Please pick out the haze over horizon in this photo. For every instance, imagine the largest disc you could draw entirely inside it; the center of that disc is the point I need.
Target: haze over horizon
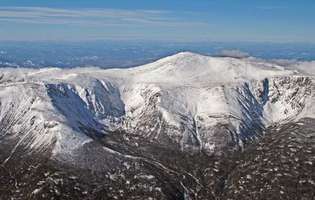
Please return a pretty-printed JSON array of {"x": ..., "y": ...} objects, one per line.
[{"x": 177, "y": 21}]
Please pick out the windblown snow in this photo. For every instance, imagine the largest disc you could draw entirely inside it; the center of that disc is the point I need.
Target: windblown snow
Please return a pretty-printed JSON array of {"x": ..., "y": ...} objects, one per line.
[{"x": 197, "y": 102}]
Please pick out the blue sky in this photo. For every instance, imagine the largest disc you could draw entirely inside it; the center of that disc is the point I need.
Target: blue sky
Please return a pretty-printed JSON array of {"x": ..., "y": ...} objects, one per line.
[{"x": 159, "y": 20}]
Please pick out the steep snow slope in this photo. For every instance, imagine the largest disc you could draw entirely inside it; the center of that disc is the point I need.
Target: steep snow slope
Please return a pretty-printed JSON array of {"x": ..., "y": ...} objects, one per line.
[{"x": 188, "y": 101}]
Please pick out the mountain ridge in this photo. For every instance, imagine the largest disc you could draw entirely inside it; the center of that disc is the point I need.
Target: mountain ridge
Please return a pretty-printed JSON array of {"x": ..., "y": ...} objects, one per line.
[{"x": 197, "y": 102}]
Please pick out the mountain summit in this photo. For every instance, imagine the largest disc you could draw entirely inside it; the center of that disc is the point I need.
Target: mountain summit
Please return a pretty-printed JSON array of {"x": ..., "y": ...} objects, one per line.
[
  {"x": 170, "y": 129},
  {"x": 186, "y": 101}
]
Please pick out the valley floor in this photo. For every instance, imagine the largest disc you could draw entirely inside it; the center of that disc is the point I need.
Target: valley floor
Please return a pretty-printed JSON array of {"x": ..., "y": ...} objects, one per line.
[{"x": 278, "y": 166}]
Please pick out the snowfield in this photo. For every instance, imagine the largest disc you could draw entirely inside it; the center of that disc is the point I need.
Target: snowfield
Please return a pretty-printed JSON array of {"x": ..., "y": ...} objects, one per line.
[{"x": 196, "y": 102}]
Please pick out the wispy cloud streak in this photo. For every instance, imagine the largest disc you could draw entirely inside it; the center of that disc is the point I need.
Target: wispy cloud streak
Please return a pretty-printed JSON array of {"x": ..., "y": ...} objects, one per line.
[{"x": 43, "y": 15}]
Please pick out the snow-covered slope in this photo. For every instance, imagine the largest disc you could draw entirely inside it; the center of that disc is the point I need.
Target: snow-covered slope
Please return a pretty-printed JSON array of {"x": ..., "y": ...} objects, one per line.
[{"x": 190, "y": 101}]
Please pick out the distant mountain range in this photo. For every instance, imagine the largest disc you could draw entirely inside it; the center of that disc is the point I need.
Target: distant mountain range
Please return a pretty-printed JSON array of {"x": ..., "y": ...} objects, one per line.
[{"x": 126, "y": 54}]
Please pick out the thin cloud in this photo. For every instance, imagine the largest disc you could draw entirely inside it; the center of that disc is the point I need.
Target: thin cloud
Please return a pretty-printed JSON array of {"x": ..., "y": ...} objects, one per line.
[
  {"x": 42, "y": 15},
  {"x": 92, "y": 24},
  {"x": 234, "y": 53}
]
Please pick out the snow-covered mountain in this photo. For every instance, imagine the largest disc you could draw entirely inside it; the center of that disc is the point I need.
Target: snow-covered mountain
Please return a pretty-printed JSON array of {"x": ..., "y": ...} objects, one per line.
[{"x": 186, "y": 101}]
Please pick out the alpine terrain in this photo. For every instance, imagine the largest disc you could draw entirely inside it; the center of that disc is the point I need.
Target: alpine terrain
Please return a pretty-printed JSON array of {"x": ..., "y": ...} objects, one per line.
[{"x": 187, "y": 126}]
